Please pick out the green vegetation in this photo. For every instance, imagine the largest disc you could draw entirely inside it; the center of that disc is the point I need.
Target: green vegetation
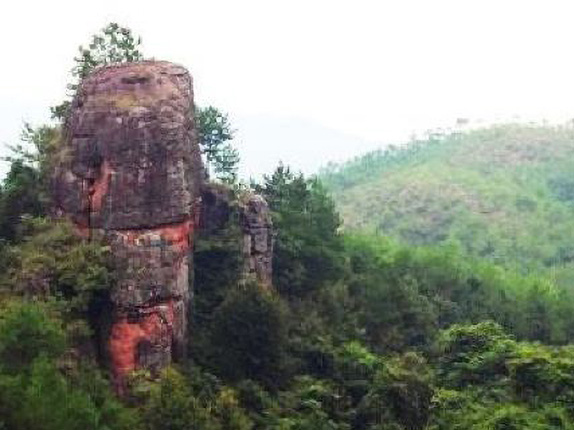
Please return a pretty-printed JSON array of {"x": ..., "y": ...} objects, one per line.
[
  {"x": 387, "y": 337},
  {"x": 117, "y": 44},
  {"x": 361, "y": 331},
  {"x": 248, "y": 335},
  {"x": 113, "y": 44},
  {"x": 35, "y": 393},
  {"x": 215, "y": 134},
  {"x": 503, "y": 193},
  {"x": 307, "y": 248}
]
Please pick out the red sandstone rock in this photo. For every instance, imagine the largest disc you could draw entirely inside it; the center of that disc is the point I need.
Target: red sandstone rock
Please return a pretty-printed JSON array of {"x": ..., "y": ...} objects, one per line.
[{"x": 131, "y": 171}]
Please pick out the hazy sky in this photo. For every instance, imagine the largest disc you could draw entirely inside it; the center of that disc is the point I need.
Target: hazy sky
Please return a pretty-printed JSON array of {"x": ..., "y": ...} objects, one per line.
[{"x": 334, "y": 78}]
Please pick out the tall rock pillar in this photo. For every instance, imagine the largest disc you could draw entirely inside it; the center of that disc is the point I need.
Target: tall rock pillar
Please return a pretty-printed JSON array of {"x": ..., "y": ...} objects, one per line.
[
  {"x": 257, "y": 247},
  {"x": 130, "y": 171}
]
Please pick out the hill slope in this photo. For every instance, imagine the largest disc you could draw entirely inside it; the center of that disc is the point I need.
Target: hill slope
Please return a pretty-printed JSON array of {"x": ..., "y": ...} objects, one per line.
[{"x": 505, "y": 193}]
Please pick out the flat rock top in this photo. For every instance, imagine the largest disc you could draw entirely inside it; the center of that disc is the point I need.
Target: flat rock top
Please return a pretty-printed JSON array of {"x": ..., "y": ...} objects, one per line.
[
  {"x": 135, "y": 85},
  {"x": 131, "y": 133}
]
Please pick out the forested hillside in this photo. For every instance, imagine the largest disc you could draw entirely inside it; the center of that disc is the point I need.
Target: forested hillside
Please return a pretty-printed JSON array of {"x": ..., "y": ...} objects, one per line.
[
  {"x": 355, "y": 331},
  {"x": 358, "y": 333},
  {"x": 505, "y": 193}
]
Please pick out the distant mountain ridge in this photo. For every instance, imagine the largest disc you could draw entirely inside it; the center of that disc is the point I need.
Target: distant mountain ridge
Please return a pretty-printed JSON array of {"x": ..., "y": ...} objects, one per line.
[
  {"x": 264, "y": 140},
  {"x": 504, "y": 192}
]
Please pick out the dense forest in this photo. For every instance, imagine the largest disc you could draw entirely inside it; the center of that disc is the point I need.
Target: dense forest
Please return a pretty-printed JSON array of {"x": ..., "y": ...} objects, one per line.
[
  {"x": 366, "y": 328},
  {"x": 503, "y": 193}
]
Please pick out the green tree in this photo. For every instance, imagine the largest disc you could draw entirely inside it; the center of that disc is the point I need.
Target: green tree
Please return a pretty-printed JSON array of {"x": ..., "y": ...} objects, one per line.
[
  {"x": 474, "y": 354},
  {"x": 34, "y": 393},
  {"x": 113, "y": 44},
  {"x": 21, "y": 197},
  {"x": 248, "y": 336},
  {"x": 215, "y": 135},
  {"x": 36, "y": 148},
  {"x": 47, "y": 402},
  {"x": 27, "y": 332},
  {"x": 308, "y": 246},
  {"x": 228, "y": 412},
  {"x": 172, "y": 406},
  {"x": 54, "y": 262},
  {"x": 542, "y": 375},
  {"x": 401, "y": 392},
  {"x": 309, "y": 404},
  {"x": 25, "y": 191},
  {"x": 394, "y": 313},
  {"x": 118, "y": 44}
]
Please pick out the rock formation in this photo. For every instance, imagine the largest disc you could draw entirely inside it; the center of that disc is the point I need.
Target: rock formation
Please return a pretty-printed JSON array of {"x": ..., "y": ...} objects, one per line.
[
  {"x": 251, "y": 213},
  {"x": 257, "y": 249},
  {"x": 131, "y": 171}
]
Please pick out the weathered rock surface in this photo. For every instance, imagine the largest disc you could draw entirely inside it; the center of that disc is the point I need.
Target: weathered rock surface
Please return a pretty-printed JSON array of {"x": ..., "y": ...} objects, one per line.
[
  {"x": 257, "y": 227},
  {"x": 131, "y": 171},
  {"x": 220, "y": 206}
]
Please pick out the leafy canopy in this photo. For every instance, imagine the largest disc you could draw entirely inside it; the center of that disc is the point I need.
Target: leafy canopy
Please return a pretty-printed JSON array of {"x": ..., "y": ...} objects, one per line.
[{"x": 308, "y": 246}]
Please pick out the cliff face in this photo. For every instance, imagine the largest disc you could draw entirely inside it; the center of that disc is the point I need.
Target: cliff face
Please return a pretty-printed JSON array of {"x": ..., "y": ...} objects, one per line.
[
  {"x": 250, "y": 212},
  {"x": 257, "y": 249},
  {"x": 131, "y": 172}
]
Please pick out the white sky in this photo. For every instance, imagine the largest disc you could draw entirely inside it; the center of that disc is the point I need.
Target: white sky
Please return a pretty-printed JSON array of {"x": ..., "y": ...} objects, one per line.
[{"x": 369, "y": 72}]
